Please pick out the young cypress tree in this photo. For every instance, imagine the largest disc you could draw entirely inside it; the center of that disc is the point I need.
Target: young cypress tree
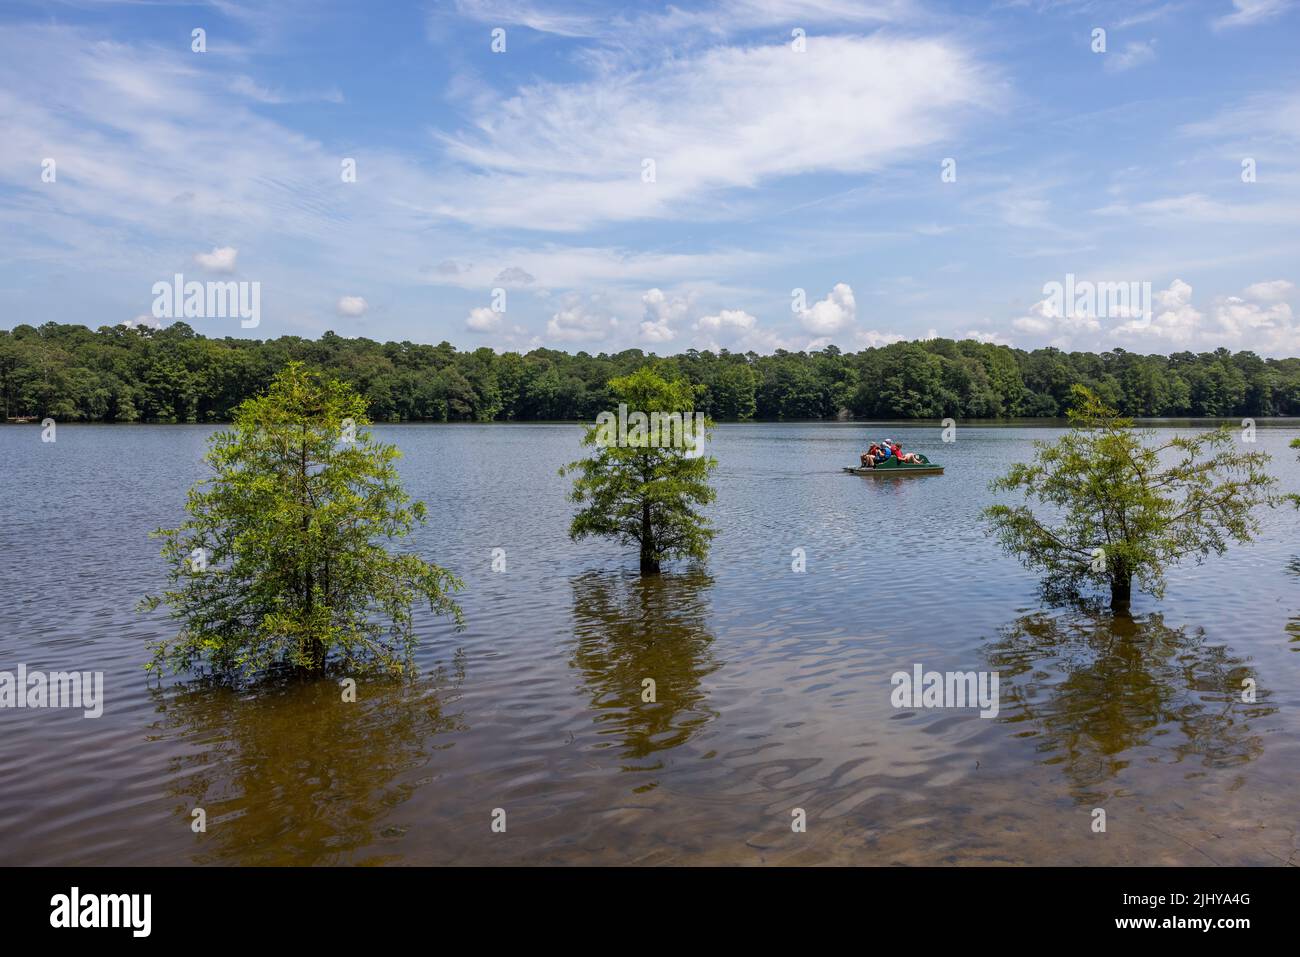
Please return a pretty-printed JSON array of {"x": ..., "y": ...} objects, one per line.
[
  {"x": 1123, "y": 508},
  {"x": 640, "y": 485},
  {"x": 283, "y": 558}
]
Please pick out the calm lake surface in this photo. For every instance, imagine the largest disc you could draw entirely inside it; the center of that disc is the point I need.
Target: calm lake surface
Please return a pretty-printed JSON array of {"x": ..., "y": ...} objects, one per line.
[{"x": 773, "y": 687}]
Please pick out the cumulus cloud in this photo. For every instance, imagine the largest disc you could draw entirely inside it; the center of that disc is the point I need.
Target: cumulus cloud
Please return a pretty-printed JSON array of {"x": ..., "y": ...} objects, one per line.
[
  {"x": 1261, "y": 327},
  {"x": 1274, "y": 290},
  {"x": 992, "y": 337},
  {"x": 735, "y": 320},
  {"x": 661, "y": 313},
  {"x": 1260, "y": 320},
  {"x": 874, "y": 339},
  {"x": 738, "y": 331},
  {"x": 1047, "y": 319},
  {"x": 221, "y": 259},
  {"x": 581, "y": 320},
  {"x": 831, "y": 315},
  {"x": 483, "y": 319},
  {"x": 1175, "y": 321},
  {"x": 351, "y": 306}
]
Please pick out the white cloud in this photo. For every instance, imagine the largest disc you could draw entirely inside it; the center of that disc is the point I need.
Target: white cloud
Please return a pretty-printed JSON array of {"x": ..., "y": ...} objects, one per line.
[
  {"x": 1178, "y": 295},
  {"x": 728, "y": 320},
  {"x": 874, "y": 339},
  {"x": 1260, "y": 320},
  {"x": 569, "y": 267},
  {"x": 514, "y": 276},
  {"x": 1135, "y": 53},
  {"x": 565, "y": 156},
  {"x": 221, "y": 259},
  {"x": 1175, "y": 322},
  {"x": 1046, "y": 319},
  {"x": 661, "y": 313},
  {"x": 738, "y": 331},
  {"x": 991, "y": 337},
  {"x": 1273, "y": 291},
  {"x": 581, "y": 320},
  {"x": 483, "y": 319},
  {"x": 1199, "y": 208},
  {"x": 1146, "y": 16},
  {"x": 708, "y": 21},
  {"x": 1260, "y": 327},
  {"x": 1254, "y": 119},
  {"x": 1249, "y": 12},
  {"x": 351, "y": 306},
  {"x": 831, "y": 315},
  {"x": 247, "y": 86}
]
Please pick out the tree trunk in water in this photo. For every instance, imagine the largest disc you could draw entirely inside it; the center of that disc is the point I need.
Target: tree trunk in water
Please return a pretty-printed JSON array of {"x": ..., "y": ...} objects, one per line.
[
  {"x": 1121, "y": 590},
  {"x": 649, "y": 563}
]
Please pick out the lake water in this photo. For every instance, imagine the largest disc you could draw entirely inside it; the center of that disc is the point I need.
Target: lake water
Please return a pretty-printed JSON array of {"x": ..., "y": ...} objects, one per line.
[{"x": 773, "y": 686}]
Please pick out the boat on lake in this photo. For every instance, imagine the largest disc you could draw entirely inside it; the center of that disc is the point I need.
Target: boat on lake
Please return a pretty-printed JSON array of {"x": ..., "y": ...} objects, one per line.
[{"x": 892, "y": 466}]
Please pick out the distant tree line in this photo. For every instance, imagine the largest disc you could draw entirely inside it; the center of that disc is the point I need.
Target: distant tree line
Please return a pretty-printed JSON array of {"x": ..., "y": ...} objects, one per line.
[{"x": 121, "y": 374}]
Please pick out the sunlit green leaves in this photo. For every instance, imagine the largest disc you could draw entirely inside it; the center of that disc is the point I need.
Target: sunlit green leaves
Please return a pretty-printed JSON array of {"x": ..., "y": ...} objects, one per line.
[
  {"x": 644, "y": 494},
  {"x": 1104, "y": 486},
  {"x": 294, "y": 522}
]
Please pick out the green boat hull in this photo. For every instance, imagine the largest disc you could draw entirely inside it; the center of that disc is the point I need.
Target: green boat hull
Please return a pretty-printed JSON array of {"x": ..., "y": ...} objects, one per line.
[{"x": 892, "y": 466}]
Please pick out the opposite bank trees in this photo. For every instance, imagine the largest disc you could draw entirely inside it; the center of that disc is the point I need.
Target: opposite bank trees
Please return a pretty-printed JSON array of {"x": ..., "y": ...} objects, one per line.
[
  {"x": 1119, "y": 508},
  {"x": 283, "y": 558},
  {"x": 648, "y": 476}
]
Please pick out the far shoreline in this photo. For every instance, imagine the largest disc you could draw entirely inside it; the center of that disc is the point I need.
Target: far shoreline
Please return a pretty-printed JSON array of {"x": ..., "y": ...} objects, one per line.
[{"x": 1275, "y": 421}]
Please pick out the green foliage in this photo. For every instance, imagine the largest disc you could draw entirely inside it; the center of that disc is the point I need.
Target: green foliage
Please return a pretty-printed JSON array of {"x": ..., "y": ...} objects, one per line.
[
  {"x": 117, "y": 374},
  {"x": 1293, "y": 498},
  {"x": 643, "y": 490},
  {"x": 1145, "y": 506},
  {"x": 292, "y": 525}
]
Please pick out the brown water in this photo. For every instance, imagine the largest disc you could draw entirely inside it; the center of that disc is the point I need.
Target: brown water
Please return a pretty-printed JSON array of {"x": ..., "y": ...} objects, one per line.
[{"x": 773, "y": 687}]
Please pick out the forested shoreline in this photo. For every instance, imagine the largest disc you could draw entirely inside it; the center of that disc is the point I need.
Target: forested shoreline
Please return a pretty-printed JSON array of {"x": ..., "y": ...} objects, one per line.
[{"x": 121, "y": 374}]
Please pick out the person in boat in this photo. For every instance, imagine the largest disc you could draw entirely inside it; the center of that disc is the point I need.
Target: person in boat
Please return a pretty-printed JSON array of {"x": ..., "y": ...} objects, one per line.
[
  {"x": 906, "y": 458},
  {"x": 878, "y": 452}
]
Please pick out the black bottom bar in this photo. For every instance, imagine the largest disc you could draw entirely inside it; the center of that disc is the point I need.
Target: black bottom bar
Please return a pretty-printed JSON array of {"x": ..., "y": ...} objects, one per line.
[{"x": 333, "y": 906}]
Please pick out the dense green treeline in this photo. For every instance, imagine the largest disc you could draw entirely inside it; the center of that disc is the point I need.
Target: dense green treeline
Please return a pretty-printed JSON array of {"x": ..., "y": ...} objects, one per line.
[{"x": 120, "y": 374}]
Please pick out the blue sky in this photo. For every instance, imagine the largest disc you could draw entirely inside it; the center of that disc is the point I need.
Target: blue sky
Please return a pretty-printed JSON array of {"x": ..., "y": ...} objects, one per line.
[{"x": 777, "y": 166}]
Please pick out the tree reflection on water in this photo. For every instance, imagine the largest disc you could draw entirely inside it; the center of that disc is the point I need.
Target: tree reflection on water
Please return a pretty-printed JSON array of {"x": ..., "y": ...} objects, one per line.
[
  {"x": 630, "y": 627},
  {"x": 1101, "y": 692},
  {"x": 289, "y": 773}
]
